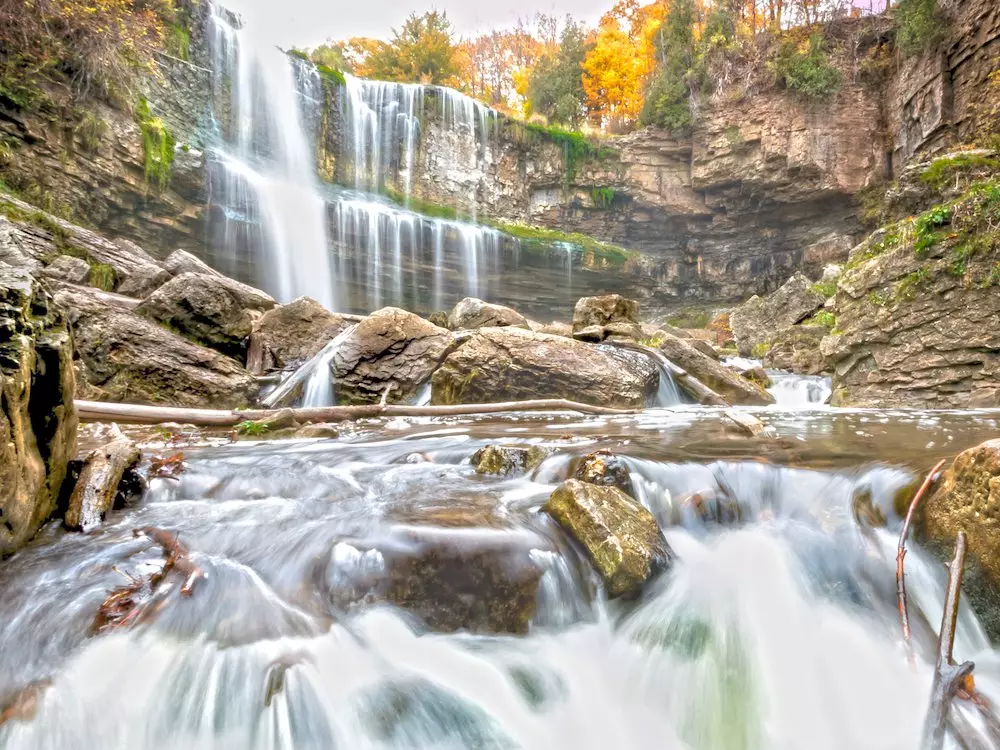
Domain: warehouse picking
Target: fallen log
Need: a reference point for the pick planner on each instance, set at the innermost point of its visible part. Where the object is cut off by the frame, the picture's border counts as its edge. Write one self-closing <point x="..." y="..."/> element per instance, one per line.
<point x="95" y="490"/>
<point x="94" y="411"/>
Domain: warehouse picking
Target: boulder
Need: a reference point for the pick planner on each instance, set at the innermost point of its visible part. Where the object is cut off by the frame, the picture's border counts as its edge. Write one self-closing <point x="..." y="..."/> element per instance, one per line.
<point x="472" y="313"/>
<point x="797" y="349"/>
<point x="37" y="418"/>
<point x="511" y="364"/>
<point x="508" y="460"/>
<point x="213" y="311"/>
<point x="600" y="311"/>
<point x="622" y="538"/>
<point x="181" y="262"/>
<point x="557" y="329"/>
<point x="605" y="469"/>
<point x="593" y="334"/>
<point x="721" y="379"/>
<point x="755" y="321"/>
<point x="69" y="269"/>
<point x="289" y="335"/>
<point x="968" y="499"/>
<point x="390" y="350"/>
<point x="125" y="357"/>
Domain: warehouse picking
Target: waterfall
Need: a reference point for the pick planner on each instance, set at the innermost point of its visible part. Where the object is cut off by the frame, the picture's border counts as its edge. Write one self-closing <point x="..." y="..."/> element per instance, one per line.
<point x="312" y="384"/>
<point x="263" y="173"/>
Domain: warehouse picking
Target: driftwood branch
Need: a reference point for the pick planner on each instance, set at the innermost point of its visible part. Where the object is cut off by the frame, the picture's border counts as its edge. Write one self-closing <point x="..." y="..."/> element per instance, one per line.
<point x="178" y="557"/>
<point x="93" y="411"/>
<point x="904" y="615"/>
<point x="95" y="491"/>
<point x="949" y="678"/>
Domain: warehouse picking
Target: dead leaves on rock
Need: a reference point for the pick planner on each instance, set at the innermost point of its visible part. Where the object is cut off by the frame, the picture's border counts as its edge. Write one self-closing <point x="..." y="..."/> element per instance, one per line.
<point x="169" y="467"/>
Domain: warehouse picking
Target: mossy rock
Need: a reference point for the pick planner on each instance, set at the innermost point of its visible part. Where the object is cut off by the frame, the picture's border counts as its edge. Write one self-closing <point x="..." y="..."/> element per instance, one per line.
<point x="509" y="460"/>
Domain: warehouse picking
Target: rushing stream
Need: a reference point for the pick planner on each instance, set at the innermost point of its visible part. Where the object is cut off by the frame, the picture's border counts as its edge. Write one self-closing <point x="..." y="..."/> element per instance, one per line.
<point x="775" y="630"/>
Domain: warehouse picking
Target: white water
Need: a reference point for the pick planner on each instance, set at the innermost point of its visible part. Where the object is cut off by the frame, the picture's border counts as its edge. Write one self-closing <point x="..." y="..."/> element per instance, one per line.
<point x="268" y="167"/>
<point x="799" y="391"/>
<point x="312" y="384"/>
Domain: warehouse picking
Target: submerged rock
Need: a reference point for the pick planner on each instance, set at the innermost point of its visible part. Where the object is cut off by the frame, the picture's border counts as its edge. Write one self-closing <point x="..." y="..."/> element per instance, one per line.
<point x="292" y="334"/>
<point x="125" y="357"/>
<point x="605" y="469"/>
<point x="510" y="364"/>
<point x="968" y="499"/>
<point x="212" y="311"/>
<point x="721" y="379"/>
<point x="755" y="322"/>
<point x="37" y="418"/>
<point x="621" y="538"/>
<point x="508" y="460"/>
<point x="389" y="350"/>
<point x="472" y="313"/>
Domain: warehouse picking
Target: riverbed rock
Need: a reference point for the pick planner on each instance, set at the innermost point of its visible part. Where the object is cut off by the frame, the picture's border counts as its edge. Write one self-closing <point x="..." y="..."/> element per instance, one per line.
<point x="797" y="349"/>
<point x="721" y="379"/>
<point x="508" y="460"/>
<point x="213" y="311"/>
<point x="604" y="311"/>
<point x="37" y="418"/>
<point x="510" y="364"/>
<point x="390" y="349"/>
<point x="622" y="538"/>
<point x="755" y="322"/>
<point x="606" y="470"/>
<point x="289" y="335"/>
<point x="968" y="499"/>
<point x="472" y="313"/>
<point x="124" y="357"/>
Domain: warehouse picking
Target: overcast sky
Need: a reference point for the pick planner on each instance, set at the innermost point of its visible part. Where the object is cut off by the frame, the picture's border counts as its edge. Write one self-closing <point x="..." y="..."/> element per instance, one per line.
<point x="305" y="23"/>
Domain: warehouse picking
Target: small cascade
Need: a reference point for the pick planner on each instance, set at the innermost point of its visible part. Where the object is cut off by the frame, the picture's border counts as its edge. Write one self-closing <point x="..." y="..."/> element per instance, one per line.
<point x="667" y="391"/>
<point x="312" y="384"/>
<point x="799" y="391"/>
<point x="262" y="177"/>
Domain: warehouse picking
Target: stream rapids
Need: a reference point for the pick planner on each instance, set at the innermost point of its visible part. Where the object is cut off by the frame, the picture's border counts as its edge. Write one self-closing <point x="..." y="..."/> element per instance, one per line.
<point x="358" y="593"/>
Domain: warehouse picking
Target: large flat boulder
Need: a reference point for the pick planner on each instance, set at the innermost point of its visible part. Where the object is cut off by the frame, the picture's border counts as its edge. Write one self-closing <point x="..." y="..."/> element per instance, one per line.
<point x="472" y="313"/>
<point x="389" y="351"/>
<point x="289" y="335"/>
<point x="37" y="418"/>
<point x="755" y="322"/>
<point x="125" y="357"/>
<point x="510" y="364"/>
<point x="621" y="537"/>
<point x="723" y="380"/>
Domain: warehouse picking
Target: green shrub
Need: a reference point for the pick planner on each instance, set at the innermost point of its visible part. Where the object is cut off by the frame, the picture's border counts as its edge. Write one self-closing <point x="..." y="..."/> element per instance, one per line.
<point x="807" y="69"/>
<point x="918" y="25"/>
<point x="826" y="288"/>
<point x="603" y="197"/>
<point x="576" y="147"/>
<point x="824" y="318"/>
<point x="157" y="145"/>
<point x="178" y="41"/>
<point x="91" y="131"/>
<point x="944" y="171"/>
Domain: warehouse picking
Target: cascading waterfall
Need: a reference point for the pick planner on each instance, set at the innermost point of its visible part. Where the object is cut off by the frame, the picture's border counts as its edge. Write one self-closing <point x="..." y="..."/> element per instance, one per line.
<point x="263" y="174"/>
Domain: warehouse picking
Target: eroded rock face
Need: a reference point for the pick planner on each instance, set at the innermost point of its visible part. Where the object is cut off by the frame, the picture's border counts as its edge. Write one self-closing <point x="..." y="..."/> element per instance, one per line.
<point x="390" y="349"/>
<point x="509" y="364"/>
<point x="603" y="311"/>
<point x="621" y="538"/>
<point x="797" y="349"/>
<point x="124" y="357"/>
<point x="723" y="380"/>
<point x="37" y="418"/>
<point x="472" y="313"/>
<point x="291" y="334"/>
<point x="508" y="460"/>
<point x="755" y="322"/>
<point x="211" y="310"/>
<point x="968" y="499"/>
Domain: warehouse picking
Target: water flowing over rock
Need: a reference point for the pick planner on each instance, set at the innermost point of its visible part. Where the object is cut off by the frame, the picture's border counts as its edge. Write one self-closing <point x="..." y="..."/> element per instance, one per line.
<point x="605" y="469"/>
<point x="391" y="351"/>
<point x="125" y="357"/>
<point x="797" y="349"/>
<point x="622" y="538"/>
<point x="968" y="499"/>
<point x="723" y="380"/>
<point x="37" y="418"/>
<point x="211" y="310"/>
<point x="755" y="322"/>
<point x="292" y="334"/>
<point x="102" y="473"/>
<point x="471" y="313"/>
<point x="510" y="364"/>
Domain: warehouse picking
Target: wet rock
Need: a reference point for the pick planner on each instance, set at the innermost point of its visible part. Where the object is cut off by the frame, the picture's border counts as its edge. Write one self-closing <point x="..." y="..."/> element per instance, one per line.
<point x="797" y="349"/>
<point x="389" y="350"/>
<point x="315" y="431"/>
<point x="621" y="538"/>
<point x="602" y="311"/>
<point x="721" y="379"/>
<point x="510" y="364"/>
<point x="472" y="313"/>
<point x="37" y="418"/>
<point x="605" y="469"/>
<point x="125" y="357"/>
<point x="101" y="476"/>
<point x="758" y="376"/>
<point x="289" y="335"/>
<point x="508" y="460"/>
<point x="746" y="423"/>
<point x="968" y="499"/>
<point x="284" y="419"/>
<point x="755" y="322"/>
<point x="213" y="311"/>
<point x="69" y="269"/>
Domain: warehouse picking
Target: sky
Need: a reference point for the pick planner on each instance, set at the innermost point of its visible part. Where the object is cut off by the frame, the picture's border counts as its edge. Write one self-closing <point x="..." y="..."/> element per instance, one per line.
<point x="306" y="23"/>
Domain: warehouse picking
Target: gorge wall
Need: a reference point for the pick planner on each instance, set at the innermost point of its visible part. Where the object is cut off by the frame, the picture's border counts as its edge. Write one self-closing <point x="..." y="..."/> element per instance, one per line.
<point x="765" y="185"/>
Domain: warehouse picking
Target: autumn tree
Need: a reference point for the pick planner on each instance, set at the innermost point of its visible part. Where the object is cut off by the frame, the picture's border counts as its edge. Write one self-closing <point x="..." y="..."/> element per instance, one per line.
<point x="555" y="85"/>
<point x="421" y="51"/>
